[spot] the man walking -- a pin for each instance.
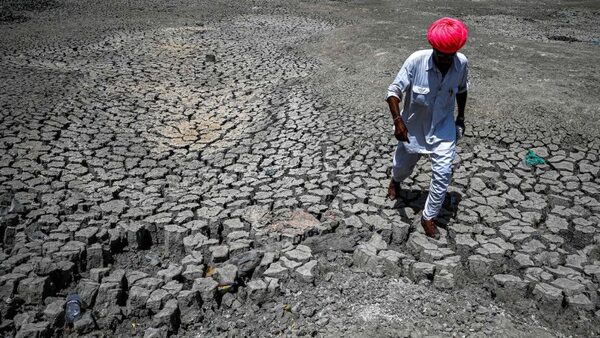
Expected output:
(432, 80)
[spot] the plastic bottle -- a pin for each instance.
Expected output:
(72, 308)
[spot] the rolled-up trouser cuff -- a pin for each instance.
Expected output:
(427, 218)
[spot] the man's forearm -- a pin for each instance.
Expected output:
(394, 104)
(400, 131)
(461, 102)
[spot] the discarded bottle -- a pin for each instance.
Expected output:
(72, 308)
(531, 159)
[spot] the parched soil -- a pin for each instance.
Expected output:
(220, 169)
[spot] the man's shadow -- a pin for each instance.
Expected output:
(415, 200)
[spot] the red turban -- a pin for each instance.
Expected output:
(447, 35)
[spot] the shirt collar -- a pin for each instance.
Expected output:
(430, 64)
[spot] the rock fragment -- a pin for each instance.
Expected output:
(306, 272)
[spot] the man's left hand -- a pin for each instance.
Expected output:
(460, 128)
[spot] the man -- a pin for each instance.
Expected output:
(432, 81)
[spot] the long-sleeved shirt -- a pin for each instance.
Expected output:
(430, 100)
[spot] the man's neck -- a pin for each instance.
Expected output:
(443, 69)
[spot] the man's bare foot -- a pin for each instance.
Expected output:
(393, 190)
(430, 228)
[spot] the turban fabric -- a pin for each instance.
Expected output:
(447, 35)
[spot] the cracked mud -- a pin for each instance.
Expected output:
(221, 170)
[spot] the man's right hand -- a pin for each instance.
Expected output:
(400, 131)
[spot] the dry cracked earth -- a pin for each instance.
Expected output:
(219, 169)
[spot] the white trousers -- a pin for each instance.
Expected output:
(441, 165)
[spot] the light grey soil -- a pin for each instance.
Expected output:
(217, 168)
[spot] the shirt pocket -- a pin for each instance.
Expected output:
(450, 103)
(420, 94)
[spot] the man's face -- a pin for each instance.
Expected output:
(443, 60)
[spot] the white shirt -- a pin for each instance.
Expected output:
(430, 100)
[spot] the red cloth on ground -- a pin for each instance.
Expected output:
(447, 35)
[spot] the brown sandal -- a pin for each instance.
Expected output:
(430, 228)
(393, 190)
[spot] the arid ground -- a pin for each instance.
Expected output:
(219, 169)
